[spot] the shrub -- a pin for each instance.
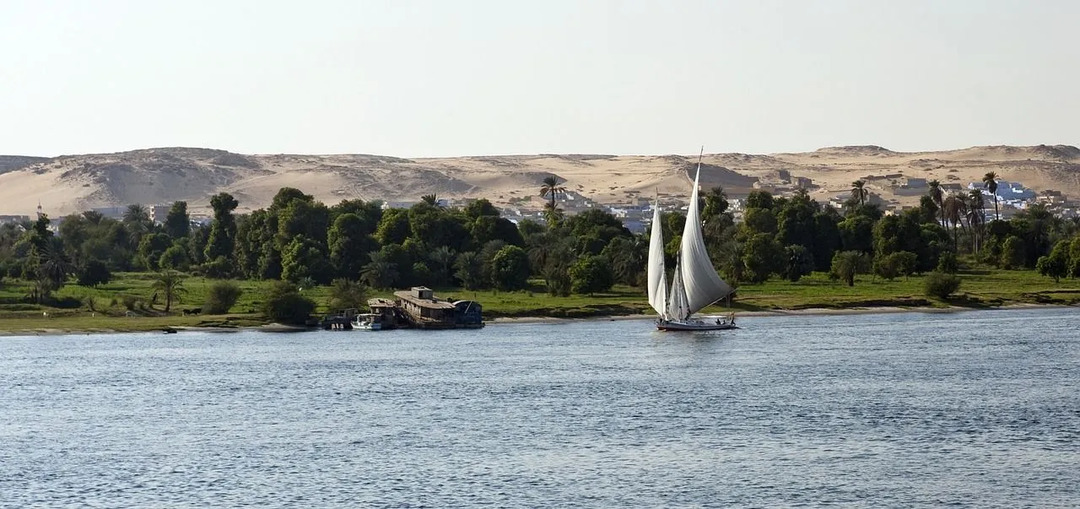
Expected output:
(947, 263)
(93, 273)
(284, 304)
(941, 285)
(223, 295)
(129, 302)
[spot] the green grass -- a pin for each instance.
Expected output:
(979, 288)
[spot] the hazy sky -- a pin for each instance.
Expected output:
(453, 77)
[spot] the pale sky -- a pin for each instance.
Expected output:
(453, 77)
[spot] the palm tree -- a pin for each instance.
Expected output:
(551, 189)
(938, 198)
(990, 180)
(859, 192)
(170, 284)
(137, 222)
(954, 209)
(976, 217)
(442, 263)
(380, 272)
(552, 215)
(430, 199)
(54, 264)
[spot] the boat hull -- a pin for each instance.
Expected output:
(694, 325)
(362, 325)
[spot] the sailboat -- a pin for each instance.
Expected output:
(695, 283)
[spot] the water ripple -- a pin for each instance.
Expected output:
(975, 409)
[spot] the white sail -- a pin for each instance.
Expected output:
(657, 276)
(702, 284)
(678, 308)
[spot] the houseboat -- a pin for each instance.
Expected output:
(421, 309)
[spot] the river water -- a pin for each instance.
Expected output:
(976, 409)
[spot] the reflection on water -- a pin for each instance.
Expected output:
(974, 409)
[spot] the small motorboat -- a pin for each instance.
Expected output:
(367, 321)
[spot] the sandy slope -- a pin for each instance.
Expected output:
(157, 176)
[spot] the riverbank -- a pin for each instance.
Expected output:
(815, 294)
(55, 329)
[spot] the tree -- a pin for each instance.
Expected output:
(955, 209)
(284, 304)
(826, 238)
(1074, 256)
(757, 220)
(379, 272)
(976, 217)
(716, 202)
(441, 261)
(591, 274)
(551, 189)
(846, 264)
(798, 262)
(762, 257)
(628, 257)
(177, 221)
(469, 270)
(859, 192)
(393, 227)
(948, 263)
(990, 180)
(430, 199)
(1055, 264)
(346, 294)
(93, 273)
(222, 238)
(937, 197)
(54, 263)
(758, 199)
(222, 297)
(151, 247)
(175, 258)
(510, 268)
(169, 284)
(857, 233)
(1012, 252)
(302, 258)
(347, 239)
(137, 222)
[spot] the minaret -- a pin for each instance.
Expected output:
(39, 212)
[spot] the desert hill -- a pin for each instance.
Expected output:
(74, 183)
(8, 163)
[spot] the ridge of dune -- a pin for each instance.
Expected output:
(73, 183)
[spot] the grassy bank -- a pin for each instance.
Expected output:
(125, 304)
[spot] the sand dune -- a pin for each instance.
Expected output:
(158, 176)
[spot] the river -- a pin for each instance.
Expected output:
(972, 409)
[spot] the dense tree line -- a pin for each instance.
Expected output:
(304, 242)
